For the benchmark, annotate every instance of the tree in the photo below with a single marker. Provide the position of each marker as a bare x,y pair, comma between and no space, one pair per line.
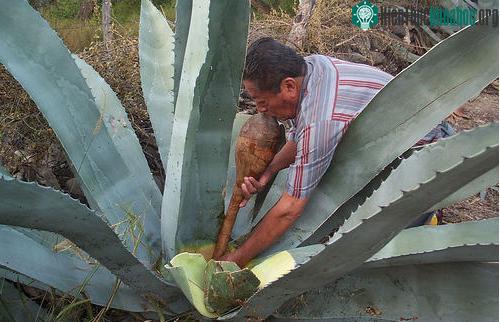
106,22
299,32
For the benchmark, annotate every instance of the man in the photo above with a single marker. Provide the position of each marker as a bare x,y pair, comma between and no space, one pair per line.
321,96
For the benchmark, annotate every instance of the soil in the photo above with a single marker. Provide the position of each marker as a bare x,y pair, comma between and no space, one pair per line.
479,111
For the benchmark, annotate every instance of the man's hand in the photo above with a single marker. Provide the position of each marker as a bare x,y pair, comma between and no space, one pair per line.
233,257
251,186
274,224
282,160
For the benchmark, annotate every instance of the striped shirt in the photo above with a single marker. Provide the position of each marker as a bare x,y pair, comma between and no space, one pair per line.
334,92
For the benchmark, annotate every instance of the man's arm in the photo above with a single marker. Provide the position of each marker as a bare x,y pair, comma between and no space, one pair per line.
274,224
281,160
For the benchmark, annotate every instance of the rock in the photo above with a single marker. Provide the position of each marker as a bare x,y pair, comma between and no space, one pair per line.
377,44
378,58
407,37
48,178
357,58
74,187
26,173
361,44
54,156
399,30
494,84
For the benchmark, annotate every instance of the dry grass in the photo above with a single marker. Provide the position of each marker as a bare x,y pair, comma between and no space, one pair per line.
29,148
331,32
25,137
119,66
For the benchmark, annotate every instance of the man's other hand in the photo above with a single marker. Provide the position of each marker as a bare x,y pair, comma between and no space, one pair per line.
251,186
232,257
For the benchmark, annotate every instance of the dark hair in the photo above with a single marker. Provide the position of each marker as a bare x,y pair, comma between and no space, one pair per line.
268,62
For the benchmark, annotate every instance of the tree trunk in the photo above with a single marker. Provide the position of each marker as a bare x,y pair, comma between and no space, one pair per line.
106,21
299,32
261,7
86,9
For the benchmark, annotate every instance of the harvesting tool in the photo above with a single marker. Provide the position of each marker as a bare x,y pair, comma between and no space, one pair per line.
259,140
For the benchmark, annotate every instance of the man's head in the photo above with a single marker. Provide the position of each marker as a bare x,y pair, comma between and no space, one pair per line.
273,77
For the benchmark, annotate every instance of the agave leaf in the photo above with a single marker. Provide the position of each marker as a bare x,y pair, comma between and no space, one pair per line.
402,113
7,274
335,221
375,223
205,108
273,195
437,156
188,272
479,184
114,116
43,237
68,274
15,306
98,140
3,171
156,57
32,206
438,152
182,22
440,292
275,266
468,241
179,148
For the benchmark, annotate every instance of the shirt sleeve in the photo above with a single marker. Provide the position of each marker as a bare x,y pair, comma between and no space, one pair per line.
290,134
316,145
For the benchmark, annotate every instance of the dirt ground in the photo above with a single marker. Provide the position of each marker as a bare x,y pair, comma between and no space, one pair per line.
481,110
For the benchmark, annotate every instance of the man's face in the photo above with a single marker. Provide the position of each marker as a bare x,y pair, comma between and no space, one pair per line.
282,105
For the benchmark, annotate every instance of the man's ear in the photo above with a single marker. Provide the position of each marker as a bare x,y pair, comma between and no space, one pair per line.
290,87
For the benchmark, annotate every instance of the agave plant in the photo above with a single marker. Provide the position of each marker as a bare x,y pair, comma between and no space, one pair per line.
140,250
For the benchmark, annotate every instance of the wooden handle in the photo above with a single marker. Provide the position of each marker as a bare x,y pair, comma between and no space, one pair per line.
227,226
258,141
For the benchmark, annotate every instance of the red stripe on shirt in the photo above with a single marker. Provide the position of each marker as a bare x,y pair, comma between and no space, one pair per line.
303,160
307,133
342,117
353,99
366,84
336,85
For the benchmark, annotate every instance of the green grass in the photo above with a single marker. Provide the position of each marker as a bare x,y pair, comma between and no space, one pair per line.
78,34
127,11
62,16
287,6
